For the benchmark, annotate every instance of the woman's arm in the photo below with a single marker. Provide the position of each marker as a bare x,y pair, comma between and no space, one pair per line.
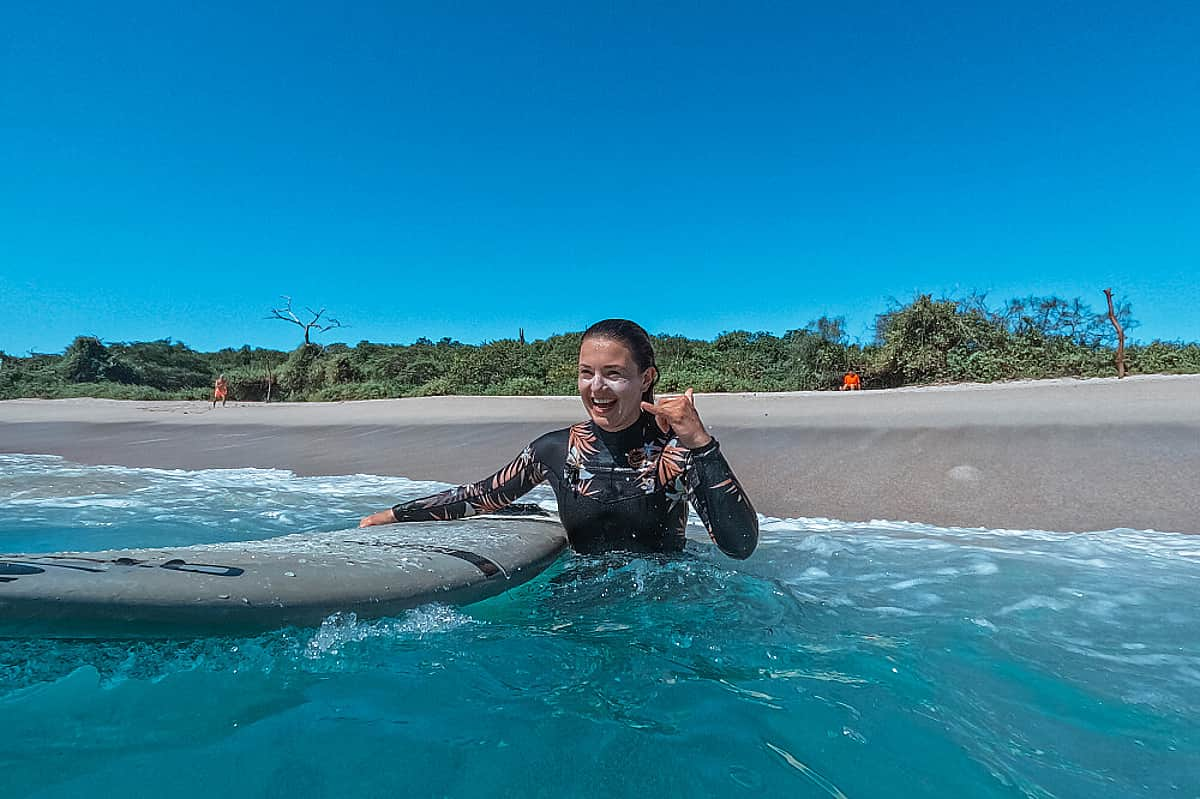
714,491
720,501
488,495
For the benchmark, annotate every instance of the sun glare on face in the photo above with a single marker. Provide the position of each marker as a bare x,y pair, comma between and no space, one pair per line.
610,383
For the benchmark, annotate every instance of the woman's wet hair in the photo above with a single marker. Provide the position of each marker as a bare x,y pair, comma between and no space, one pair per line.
634,337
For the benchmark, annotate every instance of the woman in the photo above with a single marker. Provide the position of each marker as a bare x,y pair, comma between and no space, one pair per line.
220,391
623,477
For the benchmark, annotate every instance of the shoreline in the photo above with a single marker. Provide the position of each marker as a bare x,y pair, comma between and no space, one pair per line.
1068,455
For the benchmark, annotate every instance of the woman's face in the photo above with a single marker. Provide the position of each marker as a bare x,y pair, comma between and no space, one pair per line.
610,383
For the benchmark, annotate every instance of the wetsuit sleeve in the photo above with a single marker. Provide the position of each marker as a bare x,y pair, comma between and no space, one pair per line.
720,502
488,495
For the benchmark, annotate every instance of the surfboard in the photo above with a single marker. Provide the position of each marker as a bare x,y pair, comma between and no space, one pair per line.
295,579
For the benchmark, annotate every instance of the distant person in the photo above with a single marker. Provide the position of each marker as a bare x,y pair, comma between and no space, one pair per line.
851,382
220,391
623,477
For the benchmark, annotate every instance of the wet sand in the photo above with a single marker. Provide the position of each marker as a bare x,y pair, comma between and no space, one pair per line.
1065,455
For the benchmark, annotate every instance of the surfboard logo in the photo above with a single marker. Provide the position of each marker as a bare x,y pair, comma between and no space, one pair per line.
11,570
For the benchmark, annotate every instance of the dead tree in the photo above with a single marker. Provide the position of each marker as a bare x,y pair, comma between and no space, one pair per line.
1112,317
288,315
270,378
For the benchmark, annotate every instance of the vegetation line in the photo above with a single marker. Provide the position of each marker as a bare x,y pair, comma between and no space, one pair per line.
925,341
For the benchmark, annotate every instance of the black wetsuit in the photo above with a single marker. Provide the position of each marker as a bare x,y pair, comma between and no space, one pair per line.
624,490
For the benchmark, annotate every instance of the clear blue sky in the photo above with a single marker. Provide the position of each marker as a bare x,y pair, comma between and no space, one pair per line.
465,169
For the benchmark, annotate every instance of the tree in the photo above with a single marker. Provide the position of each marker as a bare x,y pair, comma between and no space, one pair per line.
1112,316
829,329
916,341
85,361
286,314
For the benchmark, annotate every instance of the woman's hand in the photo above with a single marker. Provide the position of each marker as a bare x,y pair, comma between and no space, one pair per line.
383,517
678,414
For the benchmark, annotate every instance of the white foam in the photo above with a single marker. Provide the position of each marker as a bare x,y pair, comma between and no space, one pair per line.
1034,603
891,610
906,584
880,555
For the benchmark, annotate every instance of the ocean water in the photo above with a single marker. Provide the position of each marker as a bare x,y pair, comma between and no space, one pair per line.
884,659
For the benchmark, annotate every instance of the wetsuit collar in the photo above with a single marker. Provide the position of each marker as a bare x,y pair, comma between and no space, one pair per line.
629,437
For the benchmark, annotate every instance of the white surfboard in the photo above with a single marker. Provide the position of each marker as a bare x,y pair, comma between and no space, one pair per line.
253,585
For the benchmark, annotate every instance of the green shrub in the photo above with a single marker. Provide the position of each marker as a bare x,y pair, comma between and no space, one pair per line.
917,339
438,387
249,384
420,371
162,364
85,361
675,381
518,387
355,391
1160,357
341,368
302,373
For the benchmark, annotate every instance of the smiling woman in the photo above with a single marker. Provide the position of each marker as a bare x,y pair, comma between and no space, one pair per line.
623,477
611,382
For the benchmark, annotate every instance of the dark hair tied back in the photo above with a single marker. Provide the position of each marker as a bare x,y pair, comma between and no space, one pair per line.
635,338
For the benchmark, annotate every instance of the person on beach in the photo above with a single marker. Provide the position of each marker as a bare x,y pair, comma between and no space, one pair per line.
220,391
851,382
624,476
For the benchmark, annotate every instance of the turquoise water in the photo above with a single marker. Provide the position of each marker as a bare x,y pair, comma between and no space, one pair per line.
861,660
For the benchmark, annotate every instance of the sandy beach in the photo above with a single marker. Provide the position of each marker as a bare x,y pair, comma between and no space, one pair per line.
1069,455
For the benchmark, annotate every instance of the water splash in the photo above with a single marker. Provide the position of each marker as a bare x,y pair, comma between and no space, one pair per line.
340,629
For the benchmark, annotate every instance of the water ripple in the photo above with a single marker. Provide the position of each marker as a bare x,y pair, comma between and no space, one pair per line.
843,659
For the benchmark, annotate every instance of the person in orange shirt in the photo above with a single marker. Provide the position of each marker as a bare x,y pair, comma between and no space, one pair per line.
851,382
220,391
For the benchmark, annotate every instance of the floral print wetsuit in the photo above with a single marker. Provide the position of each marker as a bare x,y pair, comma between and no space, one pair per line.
625,490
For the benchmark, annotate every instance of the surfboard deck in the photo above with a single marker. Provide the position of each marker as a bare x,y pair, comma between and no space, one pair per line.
297,579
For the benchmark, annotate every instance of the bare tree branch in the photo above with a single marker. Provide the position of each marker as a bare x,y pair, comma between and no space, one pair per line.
286,314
